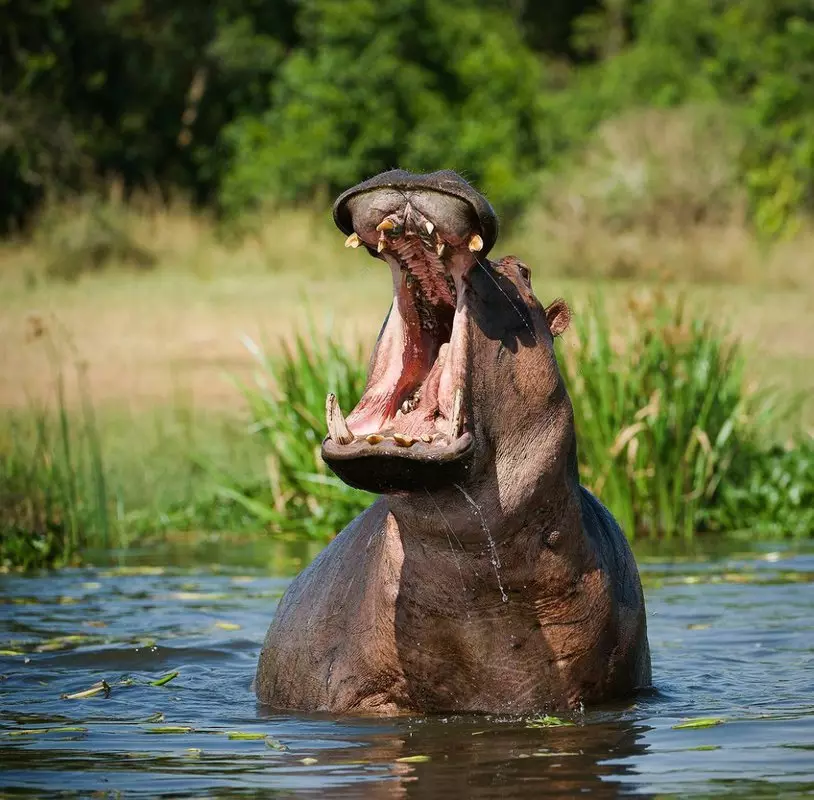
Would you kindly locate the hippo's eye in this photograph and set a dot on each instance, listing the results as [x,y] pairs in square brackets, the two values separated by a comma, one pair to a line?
[525,272]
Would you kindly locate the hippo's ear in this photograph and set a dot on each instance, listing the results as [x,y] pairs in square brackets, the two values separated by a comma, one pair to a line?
[559,317]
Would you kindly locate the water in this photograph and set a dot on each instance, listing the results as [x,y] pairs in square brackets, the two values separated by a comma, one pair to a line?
[732,639]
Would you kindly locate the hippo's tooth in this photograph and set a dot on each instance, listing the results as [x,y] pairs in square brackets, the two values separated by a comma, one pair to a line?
[476,244]
[403,441]
[456,426]
[426,438]
[439,248]
[374,438]
[386,225]
[337,427]
[382,243]
[353,240]
[429,226]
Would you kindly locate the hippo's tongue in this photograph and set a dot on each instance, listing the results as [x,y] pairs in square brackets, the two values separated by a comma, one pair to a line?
[415,386]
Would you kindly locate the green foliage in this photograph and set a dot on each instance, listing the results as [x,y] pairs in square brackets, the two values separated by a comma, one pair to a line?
[243,102]
[771,489]
[756,56]
[299,495]
[661,416]
[129,88]
[400,85]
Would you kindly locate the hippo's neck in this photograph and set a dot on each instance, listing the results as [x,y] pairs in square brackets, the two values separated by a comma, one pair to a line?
[468,542]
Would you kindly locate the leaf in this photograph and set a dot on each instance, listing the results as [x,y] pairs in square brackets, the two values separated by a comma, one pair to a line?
[412,759]
[102,687]
[228,626]
[548,721]
[170,676]
[244,735]
[275,744]
[700,722]
[170,729]
[308,761]
[40,731]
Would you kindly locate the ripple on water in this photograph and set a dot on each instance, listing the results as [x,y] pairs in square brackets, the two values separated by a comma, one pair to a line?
[732,641]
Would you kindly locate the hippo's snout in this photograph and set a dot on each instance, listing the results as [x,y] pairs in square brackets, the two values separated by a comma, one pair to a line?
[440,207]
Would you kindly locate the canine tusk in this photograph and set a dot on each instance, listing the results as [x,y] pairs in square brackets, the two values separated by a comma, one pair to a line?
[456,426]
[439,248]
[353,240]
[386,225]
[337,427]
[429,226]
[475,244]
[382,244]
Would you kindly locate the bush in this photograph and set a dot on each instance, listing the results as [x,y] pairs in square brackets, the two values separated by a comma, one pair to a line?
[398,86]
[770,490]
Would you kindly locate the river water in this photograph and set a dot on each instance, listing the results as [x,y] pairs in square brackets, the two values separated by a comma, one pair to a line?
[732,641]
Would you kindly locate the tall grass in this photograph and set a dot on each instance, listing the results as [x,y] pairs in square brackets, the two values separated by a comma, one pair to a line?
[669,436]
[299,495]
[662,415]
[53,492]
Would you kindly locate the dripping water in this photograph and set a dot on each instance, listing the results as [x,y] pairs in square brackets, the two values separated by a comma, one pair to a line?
[492,546]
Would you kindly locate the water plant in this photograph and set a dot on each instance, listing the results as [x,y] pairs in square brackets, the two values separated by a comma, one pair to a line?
[662,413]
[299,495]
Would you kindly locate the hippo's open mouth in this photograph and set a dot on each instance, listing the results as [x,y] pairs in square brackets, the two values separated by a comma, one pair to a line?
[412,427]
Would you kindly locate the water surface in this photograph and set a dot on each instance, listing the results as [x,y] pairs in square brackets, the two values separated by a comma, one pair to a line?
[732,641]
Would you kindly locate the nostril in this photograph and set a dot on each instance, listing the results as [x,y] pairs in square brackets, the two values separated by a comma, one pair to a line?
[438,200]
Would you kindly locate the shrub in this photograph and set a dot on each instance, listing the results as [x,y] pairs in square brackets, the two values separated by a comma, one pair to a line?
[400,86]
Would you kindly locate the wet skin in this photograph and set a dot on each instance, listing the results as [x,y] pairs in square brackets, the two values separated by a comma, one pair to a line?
[485,578]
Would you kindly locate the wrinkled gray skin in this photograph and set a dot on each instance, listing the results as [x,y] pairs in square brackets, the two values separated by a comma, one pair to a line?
[411,609]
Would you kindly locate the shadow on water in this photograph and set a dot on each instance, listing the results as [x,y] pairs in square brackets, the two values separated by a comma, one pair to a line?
[733,649]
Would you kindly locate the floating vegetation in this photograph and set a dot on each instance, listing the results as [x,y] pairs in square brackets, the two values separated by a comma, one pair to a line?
[412,759]
[548,721]
[170,676]
[246,735]
[169,729]
[275,744]
[102,687]
[700,722]
[43,731]
[227,626]
[308,761]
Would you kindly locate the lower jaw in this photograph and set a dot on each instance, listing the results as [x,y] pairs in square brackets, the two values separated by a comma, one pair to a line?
[389,468]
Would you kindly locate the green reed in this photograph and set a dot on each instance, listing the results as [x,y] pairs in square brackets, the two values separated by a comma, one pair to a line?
[299,495]
[662,415]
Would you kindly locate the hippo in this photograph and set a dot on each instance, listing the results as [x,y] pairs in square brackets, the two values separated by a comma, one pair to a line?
[484,578]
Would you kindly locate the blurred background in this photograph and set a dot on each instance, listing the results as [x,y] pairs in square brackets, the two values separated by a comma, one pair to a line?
[175,301]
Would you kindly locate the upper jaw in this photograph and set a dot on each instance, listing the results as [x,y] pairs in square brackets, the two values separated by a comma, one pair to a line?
[413,425]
